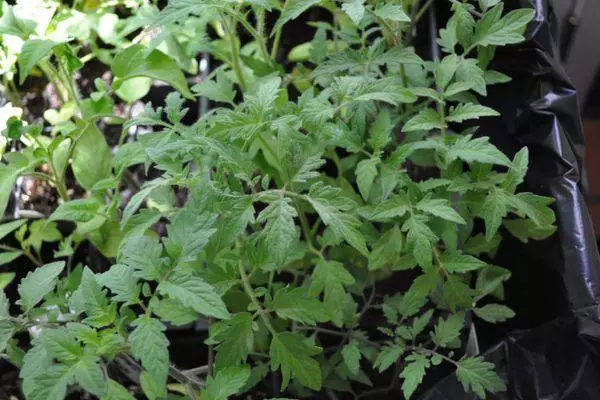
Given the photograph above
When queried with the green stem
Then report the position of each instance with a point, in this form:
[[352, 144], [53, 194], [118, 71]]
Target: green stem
[[275, 47], [250, 292], [235, 55], [25, 252], [52, 76], [422, 11]]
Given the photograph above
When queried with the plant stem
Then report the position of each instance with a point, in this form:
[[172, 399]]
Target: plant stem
[[235, 55], [275, 47], [422, 11], [25, 252], [248, 289]]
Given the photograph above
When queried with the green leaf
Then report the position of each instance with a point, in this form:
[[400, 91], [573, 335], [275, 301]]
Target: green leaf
[[333, 208], [394, 207], [189, 231], [32, 52], [508, 30], [82, 210], [463, 112], [448, 330], [8, 178], [392, 12], [62, 345], [464, 24], [534, 207], [117, 392], [38, 283], [355, 10], [492, 211], [457, 293], [9, 227], [517, 171], [440, 208], [121, 282], [387, 357], [494, 313], [150, 345], [523, 229], [281, 235], [92, 158], [88, 374], [132, 89], [459, 263], [135, 202], [234, 338], [143, 254], [292, 10], [51, 384], [136, 62], [478, 244], [330, 277], [351, 355], [478, 376], [99, 311], [4, 305], [413, 373], [494, 77], [290, 353], [366, 172], [220, 89], [477, 150], [444, 71], [225, 383], [309, 168], [9, 257], [194, 292], [387, 247], [490, 279], [420, 238], [173, 311], [425, 120], [472, 75], [295, 304], [381, 129], [6, 332]]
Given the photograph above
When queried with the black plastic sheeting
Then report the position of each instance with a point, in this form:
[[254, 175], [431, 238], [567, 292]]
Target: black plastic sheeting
[[550, 351]]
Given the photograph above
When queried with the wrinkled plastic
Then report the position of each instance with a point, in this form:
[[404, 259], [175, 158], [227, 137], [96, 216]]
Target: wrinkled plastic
[[550, 350]]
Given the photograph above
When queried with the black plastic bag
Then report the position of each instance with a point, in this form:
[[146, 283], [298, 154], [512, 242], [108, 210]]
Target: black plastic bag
[[550, 350]]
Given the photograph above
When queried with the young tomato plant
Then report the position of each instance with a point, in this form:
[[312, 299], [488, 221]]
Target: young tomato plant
[[304, 197]]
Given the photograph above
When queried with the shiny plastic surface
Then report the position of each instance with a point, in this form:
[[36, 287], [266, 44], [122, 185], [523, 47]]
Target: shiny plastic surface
[[550, 350]]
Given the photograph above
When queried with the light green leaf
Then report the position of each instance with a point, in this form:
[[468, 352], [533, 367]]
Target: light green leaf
[[99, 311], [387, 357], [61, 344], [394, 207], [392, 12], [152, 388], [366, 172], [32, 52], [492, 211], [420, 237], [469, 72], [143, 254], [508, 30], [440, 208], [189, 232], [121, 281], [517, 171], [136, 62], [478, 376], [225, 383], [6, 332], [280, 232], [133, 89], [477, 150], [490, 279], [413, 373], [385, 250], [333, 208], [88, 374], [381, 130], [6, 258], [290, 353], [444, 71], [309, 168], [351, 355], [292, 10], [425, 120], [51, 384], [117, 392], [150, 345], [9, 227], [494, 77], [463, 112], [8, 178], [82, 210], [494, 313], [525, 229], [459, 263], [295, 304], [92, 158], [355, 10], [330, 277], [220, 89], [234, 338], [457, 293], [464, 24], [173, 311], [4, 305], [448, 330], [193, 291], [534, 207], [38, 283]]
